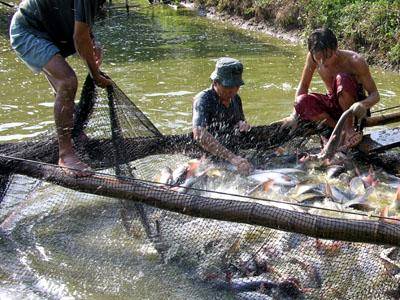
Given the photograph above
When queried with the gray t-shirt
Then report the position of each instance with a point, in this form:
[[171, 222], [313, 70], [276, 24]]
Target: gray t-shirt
[[210, 113], [54, 19]]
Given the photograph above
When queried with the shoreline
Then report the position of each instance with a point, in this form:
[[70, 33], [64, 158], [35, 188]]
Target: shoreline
[[211, 13], [294, 36]]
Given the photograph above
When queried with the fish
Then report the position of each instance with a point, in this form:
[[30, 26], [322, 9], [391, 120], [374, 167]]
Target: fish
[[335, 170], [279, 176], [391, 180], [337, 195], [387, 257], [369, 179], [310, 199], [388, 213], [192, 180], [185, 171], [317, 189], [265, 186], [180, 174], [396, 201], [252, 296], [357, 185], [166, 176], [361, 202], [246, 284]]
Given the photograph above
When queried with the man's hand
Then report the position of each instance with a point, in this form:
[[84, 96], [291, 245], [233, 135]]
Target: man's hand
[[244, 126], [101, 81], [243, 166], [359, 110], [290, 122], [98, 54]]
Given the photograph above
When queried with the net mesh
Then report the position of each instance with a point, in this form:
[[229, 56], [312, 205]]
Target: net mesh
[[122, 232]]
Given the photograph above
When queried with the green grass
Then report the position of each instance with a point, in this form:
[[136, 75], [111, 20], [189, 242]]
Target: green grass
[[371, 27]]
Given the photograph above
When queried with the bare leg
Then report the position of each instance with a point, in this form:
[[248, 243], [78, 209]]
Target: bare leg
[[350, 135], [64, 81], [326, 118]]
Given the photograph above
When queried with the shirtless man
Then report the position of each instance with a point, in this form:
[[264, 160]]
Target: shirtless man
[[43, 33], [218, 113], [345, 74]]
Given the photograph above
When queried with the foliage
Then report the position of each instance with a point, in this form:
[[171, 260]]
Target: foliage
[[371, 27]]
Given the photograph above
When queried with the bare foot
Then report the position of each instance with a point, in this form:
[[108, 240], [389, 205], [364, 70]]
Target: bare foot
[[72, 166], [289, 122]]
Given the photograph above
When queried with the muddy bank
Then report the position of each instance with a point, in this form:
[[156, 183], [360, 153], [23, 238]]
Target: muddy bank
[[293, 36]]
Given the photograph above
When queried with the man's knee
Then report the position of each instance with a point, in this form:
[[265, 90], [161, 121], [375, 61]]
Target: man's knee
[[307, 106], [302, 103], [68, 85]]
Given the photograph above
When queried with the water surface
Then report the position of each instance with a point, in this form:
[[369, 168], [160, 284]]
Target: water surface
[[161, 58]]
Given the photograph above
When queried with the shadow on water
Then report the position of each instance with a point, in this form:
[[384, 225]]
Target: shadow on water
[[160, 33]]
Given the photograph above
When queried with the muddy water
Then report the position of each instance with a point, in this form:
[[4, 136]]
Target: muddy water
[[161, 58]]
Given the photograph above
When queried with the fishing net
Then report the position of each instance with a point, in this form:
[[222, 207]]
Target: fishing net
[[123, 232]]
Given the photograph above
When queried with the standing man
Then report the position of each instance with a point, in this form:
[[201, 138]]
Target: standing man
[[218, 113], [345, 74], [43, 33]]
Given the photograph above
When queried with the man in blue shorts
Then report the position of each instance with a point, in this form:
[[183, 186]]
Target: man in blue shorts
[[218, 113], [43, 33]]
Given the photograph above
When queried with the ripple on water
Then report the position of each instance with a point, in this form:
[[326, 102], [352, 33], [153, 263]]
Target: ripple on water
[[169, 94], [7, 126]]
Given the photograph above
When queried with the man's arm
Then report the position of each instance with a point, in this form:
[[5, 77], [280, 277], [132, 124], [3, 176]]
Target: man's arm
[[304, 85], [306, 76], [210, 144], [365, 78], [85, 48]]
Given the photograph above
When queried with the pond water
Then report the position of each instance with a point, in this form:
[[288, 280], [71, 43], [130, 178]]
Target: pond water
[[161, 58], [72, 245]]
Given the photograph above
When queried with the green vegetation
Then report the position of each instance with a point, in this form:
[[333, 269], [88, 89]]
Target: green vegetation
[[371, 27]]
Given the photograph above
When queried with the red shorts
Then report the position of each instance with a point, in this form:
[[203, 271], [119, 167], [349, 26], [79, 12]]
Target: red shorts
[[309, 106]]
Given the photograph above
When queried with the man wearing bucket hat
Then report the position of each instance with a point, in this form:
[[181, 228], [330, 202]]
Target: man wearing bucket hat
[[218, 113]]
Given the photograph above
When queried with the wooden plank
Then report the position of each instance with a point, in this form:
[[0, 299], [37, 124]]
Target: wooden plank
[[379, 141]]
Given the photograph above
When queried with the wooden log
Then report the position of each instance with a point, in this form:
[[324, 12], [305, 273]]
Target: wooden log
[[379, 141], [383, 119], [365, 231]]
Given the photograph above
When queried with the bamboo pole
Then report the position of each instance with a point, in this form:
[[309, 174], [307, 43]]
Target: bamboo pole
[[383, 119]]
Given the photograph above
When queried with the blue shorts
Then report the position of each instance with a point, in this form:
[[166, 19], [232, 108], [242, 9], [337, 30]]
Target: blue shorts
[[33, 50]]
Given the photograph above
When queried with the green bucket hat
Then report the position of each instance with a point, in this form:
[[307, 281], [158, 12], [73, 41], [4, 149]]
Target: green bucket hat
[[228, 72]]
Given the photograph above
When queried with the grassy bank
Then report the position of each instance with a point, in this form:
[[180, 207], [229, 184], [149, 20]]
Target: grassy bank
[[371, 27]]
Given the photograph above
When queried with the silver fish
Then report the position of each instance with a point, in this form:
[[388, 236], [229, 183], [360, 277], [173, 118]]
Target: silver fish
[[278, 177], [317, 189], [361, 202], [179, 174], [388, 257], [340, 196], [252, 296], [335, 170], [166, 176]]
